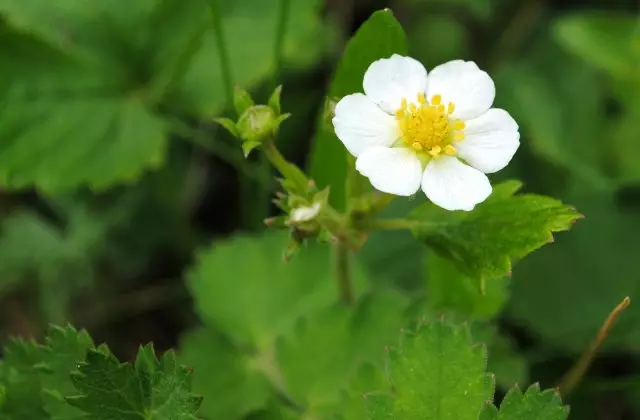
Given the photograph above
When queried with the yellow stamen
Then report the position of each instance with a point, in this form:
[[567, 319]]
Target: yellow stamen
[[426, 128], [451, 108]]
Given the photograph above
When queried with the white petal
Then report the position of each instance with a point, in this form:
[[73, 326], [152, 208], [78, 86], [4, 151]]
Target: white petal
[[392, 170], [304, 214], [360, 124], [470, 89], [388, 80], [490, 141], [453, 185]]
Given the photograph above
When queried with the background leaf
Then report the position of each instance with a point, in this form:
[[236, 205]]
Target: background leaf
[[379, 37]]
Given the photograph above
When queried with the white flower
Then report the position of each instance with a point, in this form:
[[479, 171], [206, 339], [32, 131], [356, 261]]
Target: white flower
[[439, 132]]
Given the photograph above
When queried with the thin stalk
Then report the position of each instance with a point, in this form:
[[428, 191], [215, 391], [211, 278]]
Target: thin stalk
[[399, 224], [284, 8], [285, 168], [223, 52], [578, 370], [342, 269]]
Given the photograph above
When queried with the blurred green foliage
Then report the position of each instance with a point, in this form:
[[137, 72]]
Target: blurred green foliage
[[113, 177]]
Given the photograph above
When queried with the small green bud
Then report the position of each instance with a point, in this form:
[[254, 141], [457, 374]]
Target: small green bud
[[256, 125], [241, 100]]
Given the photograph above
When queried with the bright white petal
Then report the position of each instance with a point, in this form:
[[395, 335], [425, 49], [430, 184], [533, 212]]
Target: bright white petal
[[392, 170], [453, 185], [470, 89], [490, 141], [388, 80], [360, 124]]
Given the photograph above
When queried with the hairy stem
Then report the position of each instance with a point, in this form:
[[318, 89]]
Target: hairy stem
[[578, 370], [287, 170]]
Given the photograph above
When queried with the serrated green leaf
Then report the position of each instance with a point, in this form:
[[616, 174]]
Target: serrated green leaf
[[37, 376], [379, 37], [509, 367], [244, 289], [153, 389], [228, 380], [534, 404], [436, 374], [506, 227], [608, 40], [315, 373]]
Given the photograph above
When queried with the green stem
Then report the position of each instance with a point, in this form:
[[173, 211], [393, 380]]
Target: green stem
[[223, 53], [167, 81], [343, 273], [287, 170], [398, 224], [578, 370], [284, 7]]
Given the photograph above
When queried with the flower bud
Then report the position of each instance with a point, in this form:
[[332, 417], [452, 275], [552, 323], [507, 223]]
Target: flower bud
[[256, 125]]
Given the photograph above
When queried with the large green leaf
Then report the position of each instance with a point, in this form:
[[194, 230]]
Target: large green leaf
[[379, 37], [534, 404], [325, 353], [245, 289], [436, 374], [81, 85], [506, 227], [608, 40], [228, 379], [582, 277], [152, 388]]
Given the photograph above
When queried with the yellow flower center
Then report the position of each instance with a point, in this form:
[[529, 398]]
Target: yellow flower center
[[428, 128]]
